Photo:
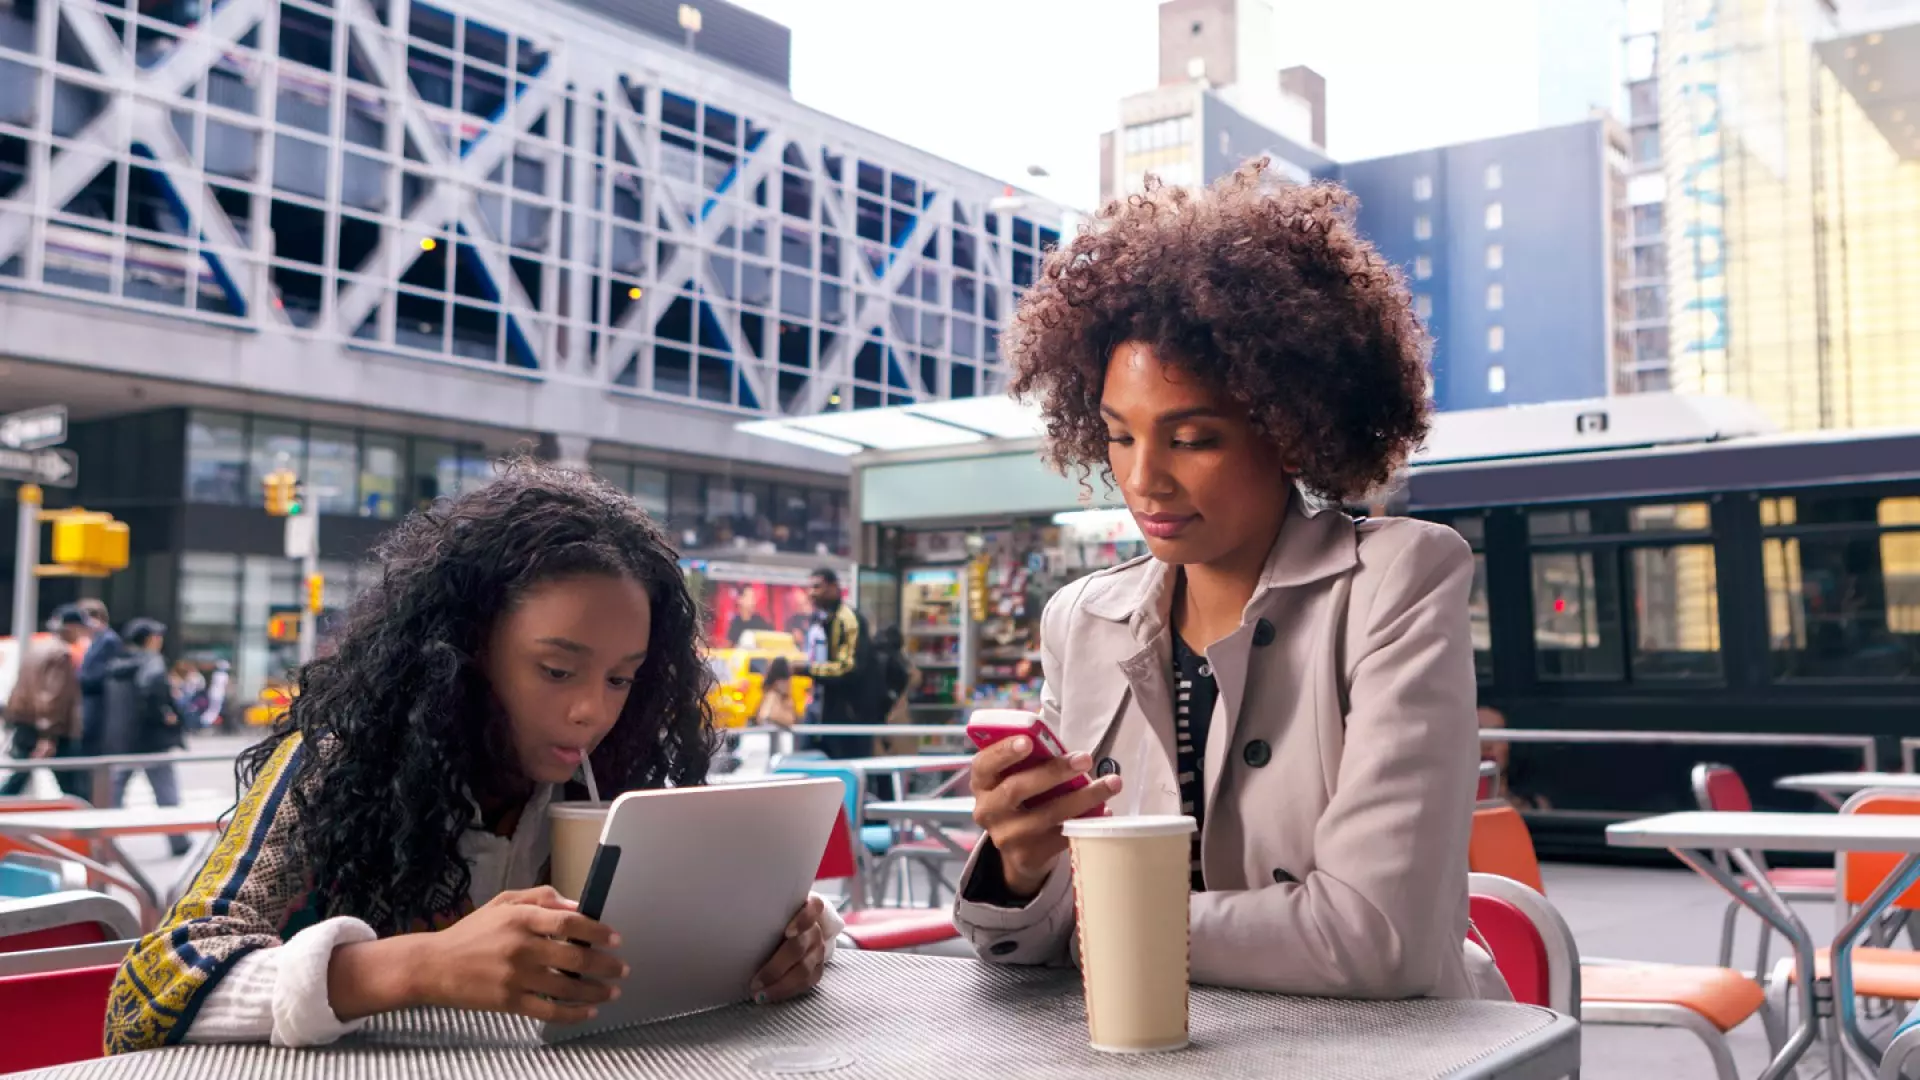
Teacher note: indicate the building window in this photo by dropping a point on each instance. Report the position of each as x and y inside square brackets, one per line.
[1422, 268]
[1423, 228]
[1496, 296]
[216, 458]
[1496, 339]
[1496, 256]
[333, 470]
[1495, 216]
[1422, 188]
[1494, 177]
[1423, 305]
[1496, 380]
[1842, 575]
[435, 472]
[1473, 528]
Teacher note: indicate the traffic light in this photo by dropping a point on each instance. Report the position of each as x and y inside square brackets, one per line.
[316, 593]
[283, 492]
[89, 542]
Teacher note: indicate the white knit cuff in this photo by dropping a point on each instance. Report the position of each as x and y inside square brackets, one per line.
[302, 1015]
[831, 923]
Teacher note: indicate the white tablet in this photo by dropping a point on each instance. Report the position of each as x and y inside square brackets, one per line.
[700, 883]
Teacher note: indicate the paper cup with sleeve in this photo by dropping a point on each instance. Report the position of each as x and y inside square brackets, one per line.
[575, 836]
[1131, 886]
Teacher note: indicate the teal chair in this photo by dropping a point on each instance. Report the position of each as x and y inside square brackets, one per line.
[23, 879]
[1902, 1060]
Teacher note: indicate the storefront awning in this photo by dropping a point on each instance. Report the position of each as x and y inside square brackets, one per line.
[963, 422]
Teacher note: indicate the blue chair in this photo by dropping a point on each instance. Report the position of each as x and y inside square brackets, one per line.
[1902, 1060]
[23, 880]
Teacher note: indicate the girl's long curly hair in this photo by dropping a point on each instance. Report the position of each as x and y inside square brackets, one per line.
[403, 734]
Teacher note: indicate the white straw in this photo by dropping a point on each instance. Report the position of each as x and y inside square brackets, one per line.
[586, 766]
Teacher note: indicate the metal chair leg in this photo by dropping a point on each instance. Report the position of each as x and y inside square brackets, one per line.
[1726, 933]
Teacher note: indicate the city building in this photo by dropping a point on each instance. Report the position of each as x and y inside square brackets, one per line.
[1791, 149]
[1511, 247]
[1221, 101]
[1646, 285]
[383, 242]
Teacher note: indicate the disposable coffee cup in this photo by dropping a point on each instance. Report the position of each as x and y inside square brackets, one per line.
[576, 835]
[1131, 883]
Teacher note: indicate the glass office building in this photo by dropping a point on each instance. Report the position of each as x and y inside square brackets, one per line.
[1791, 142]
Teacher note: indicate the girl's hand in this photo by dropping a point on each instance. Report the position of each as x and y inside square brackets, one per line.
[797, 964]
[513, 956]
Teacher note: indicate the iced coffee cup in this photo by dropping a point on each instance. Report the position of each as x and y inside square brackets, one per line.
[576, 835]
[1131, 882]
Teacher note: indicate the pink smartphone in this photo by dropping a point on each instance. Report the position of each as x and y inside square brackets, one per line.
[989, 726]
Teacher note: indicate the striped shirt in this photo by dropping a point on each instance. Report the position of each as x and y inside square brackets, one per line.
[1194, 694]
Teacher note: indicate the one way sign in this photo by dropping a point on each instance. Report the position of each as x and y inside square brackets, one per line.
[59, 468]
[31, 429]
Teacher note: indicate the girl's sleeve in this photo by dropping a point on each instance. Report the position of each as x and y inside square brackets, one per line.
[239, 906]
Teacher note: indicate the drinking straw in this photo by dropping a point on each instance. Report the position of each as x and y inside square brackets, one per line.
[586, 766]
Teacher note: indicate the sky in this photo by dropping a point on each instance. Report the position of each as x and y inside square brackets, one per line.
[1001, 85]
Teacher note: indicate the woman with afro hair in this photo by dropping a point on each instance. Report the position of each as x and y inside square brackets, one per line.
[1239, 363]
[391, 846]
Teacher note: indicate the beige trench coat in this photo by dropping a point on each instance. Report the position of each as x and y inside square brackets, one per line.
[1339, 768]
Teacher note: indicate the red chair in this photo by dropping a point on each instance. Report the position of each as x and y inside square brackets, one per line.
[1719, 788]
[879, 929]
[1707, 1001]
[1530, 942]
[56, 999]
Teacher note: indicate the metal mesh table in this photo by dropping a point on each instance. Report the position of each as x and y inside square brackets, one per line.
[895, 1017]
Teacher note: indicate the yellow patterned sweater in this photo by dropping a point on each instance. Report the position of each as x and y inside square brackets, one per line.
[252, 894]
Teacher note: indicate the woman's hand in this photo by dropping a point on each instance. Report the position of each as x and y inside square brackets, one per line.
[513, 954]
[796, 965]
[1029, 840]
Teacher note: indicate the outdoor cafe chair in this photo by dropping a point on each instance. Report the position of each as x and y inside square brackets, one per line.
[1530, 943]
[1719, 788]
[1706, 1001]
[75, 917]
[1902, 1060]
[1886, 973]
[878, 928]
[55, 1002]
[23, 875]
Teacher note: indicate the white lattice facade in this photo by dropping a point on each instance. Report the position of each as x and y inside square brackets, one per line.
[516, 189]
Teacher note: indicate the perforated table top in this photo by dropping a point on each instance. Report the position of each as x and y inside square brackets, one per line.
[895, 1017]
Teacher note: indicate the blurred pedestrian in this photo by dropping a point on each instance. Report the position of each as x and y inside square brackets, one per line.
[43, 711]
[840, 663]
[899, 677]
[189, 687]
[103, 650]
[141, 717]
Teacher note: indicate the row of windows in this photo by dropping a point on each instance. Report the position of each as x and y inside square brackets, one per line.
[703, 511]
[1159, 135]
[1632, 593]
[1494, 177]
[347, 471]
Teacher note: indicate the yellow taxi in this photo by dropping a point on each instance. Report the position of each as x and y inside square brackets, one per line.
[274, 701]
[738, 675]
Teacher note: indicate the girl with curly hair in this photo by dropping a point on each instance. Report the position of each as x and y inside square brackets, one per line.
[391, 848]
[1238, 362]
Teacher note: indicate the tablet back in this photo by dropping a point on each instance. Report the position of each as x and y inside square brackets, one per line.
[700, 883]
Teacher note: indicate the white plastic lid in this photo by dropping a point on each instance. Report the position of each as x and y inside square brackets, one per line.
[579, 809]
[1129, 827]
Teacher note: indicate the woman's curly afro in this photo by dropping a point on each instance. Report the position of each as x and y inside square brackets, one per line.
[402, 733]
[1260, 287]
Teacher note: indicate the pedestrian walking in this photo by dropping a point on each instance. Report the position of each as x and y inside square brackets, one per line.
[104, 648]
[43, 712]
[840, 662]
[141, 717]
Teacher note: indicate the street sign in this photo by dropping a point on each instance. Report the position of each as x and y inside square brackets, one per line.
[32, 429]
[303, 536]
[55, 467]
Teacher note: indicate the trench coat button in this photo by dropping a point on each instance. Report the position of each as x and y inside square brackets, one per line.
[1257, 753]
[1262, 633]
[1281, 877]
[1002, 948]
[1107, 767]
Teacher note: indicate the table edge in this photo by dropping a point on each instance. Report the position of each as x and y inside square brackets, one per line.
[1537, 1053]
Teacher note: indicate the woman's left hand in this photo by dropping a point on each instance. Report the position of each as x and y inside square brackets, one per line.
[796, 965]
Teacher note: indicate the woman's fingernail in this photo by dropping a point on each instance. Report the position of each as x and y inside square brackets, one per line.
[591, 1013]
[1113, 782]
[615, 995]
[613, 941]
[1082, 761]
[1020, 746]
[760, 998]
[792, 932]
[625, 970]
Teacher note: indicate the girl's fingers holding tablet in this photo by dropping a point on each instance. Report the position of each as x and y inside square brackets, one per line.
[794, 968]
[552, 1012]
[568, 957]
[569, 926]
[566, 990]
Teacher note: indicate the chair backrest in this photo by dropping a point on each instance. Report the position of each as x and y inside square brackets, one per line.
[1530, 942]
[58, 1015]
[66, 957]
[1862, 872]
[855, 793]
[25, 804]
[19, 880]
[1500, 844]
[838, 862]
[63, 919]
[1717, 787]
